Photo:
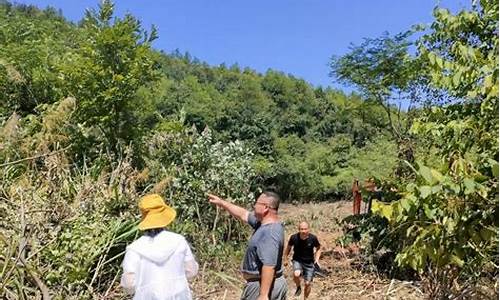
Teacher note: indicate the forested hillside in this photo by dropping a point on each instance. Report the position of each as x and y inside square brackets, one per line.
[305, 139]
[92, 117]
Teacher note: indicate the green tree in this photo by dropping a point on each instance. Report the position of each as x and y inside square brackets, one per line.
[448, 217]
[385, 72]
[33, 41]
[104, 73]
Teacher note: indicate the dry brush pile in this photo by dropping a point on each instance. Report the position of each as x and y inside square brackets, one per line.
[65, 225]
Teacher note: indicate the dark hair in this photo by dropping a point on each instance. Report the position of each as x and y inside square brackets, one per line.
[275, 199]
[153, 232]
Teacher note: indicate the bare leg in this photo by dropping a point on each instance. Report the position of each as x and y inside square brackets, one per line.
[307, 289]
[296, 278]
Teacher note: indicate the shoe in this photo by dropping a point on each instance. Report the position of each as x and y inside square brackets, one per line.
[297, 291]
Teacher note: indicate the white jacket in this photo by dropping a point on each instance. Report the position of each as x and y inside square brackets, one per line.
[157, 268]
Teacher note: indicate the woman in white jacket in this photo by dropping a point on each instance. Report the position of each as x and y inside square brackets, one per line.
[157, 265]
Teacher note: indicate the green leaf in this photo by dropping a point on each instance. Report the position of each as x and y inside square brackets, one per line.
[456, 78]
[405, 203]
[470, 186]
[488, 81]
[494, 167]
[425, 191]
[432, 57]
[426, 173]
[410, 230]
[429, 213]
[486, 234]
[450, 224]
[435, 189]
[456, 260]
[437, 175]
[382, 209]
[472, 94]
[410, 187]
[454, 187]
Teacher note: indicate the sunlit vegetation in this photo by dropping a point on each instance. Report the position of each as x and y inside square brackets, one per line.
[92, 117]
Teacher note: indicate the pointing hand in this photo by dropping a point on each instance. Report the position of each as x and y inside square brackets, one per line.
[214, 199]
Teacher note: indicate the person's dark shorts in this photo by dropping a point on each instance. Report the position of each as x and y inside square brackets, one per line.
[278, 290]
[306, 269]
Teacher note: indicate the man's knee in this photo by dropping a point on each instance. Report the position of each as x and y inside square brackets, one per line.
[307, 283]
[296, 273]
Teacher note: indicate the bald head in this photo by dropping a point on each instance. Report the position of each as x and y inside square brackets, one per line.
[303, 224]
[303, 230]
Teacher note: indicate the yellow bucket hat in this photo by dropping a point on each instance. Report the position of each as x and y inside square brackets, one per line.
[155, 213]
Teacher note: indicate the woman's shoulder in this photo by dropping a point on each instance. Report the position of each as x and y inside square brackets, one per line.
[164, 236]
[172, 236]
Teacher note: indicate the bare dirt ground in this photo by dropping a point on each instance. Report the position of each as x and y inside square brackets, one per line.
[343, 280]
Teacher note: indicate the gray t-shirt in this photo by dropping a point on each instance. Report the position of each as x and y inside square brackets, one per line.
[265, 247]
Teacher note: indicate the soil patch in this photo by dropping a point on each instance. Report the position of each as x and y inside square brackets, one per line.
[343, 281]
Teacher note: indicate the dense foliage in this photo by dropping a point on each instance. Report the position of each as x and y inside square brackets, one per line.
[92, 118]
[123, 89]
[304, 138]
[447, 217]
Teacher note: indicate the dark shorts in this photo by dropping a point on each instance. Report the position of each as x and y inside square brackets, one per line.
[306, 269]
[278, 290]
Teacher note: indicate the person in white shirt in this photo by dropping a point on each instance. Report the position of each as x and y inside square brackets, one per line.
[157, 266]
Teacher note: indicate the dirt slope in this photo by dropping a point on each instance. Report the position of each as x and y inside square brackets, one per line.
[342, 282]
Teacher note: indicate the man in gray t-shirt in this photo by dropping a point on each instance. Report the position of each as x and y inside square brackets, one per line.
[262, 265]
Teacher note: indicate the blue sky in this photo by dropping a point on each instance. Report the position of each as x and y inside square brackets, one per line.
[296, 36]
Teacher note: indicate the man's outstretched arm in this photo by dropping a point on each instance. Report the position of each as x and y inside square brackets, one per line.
[238, 212]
